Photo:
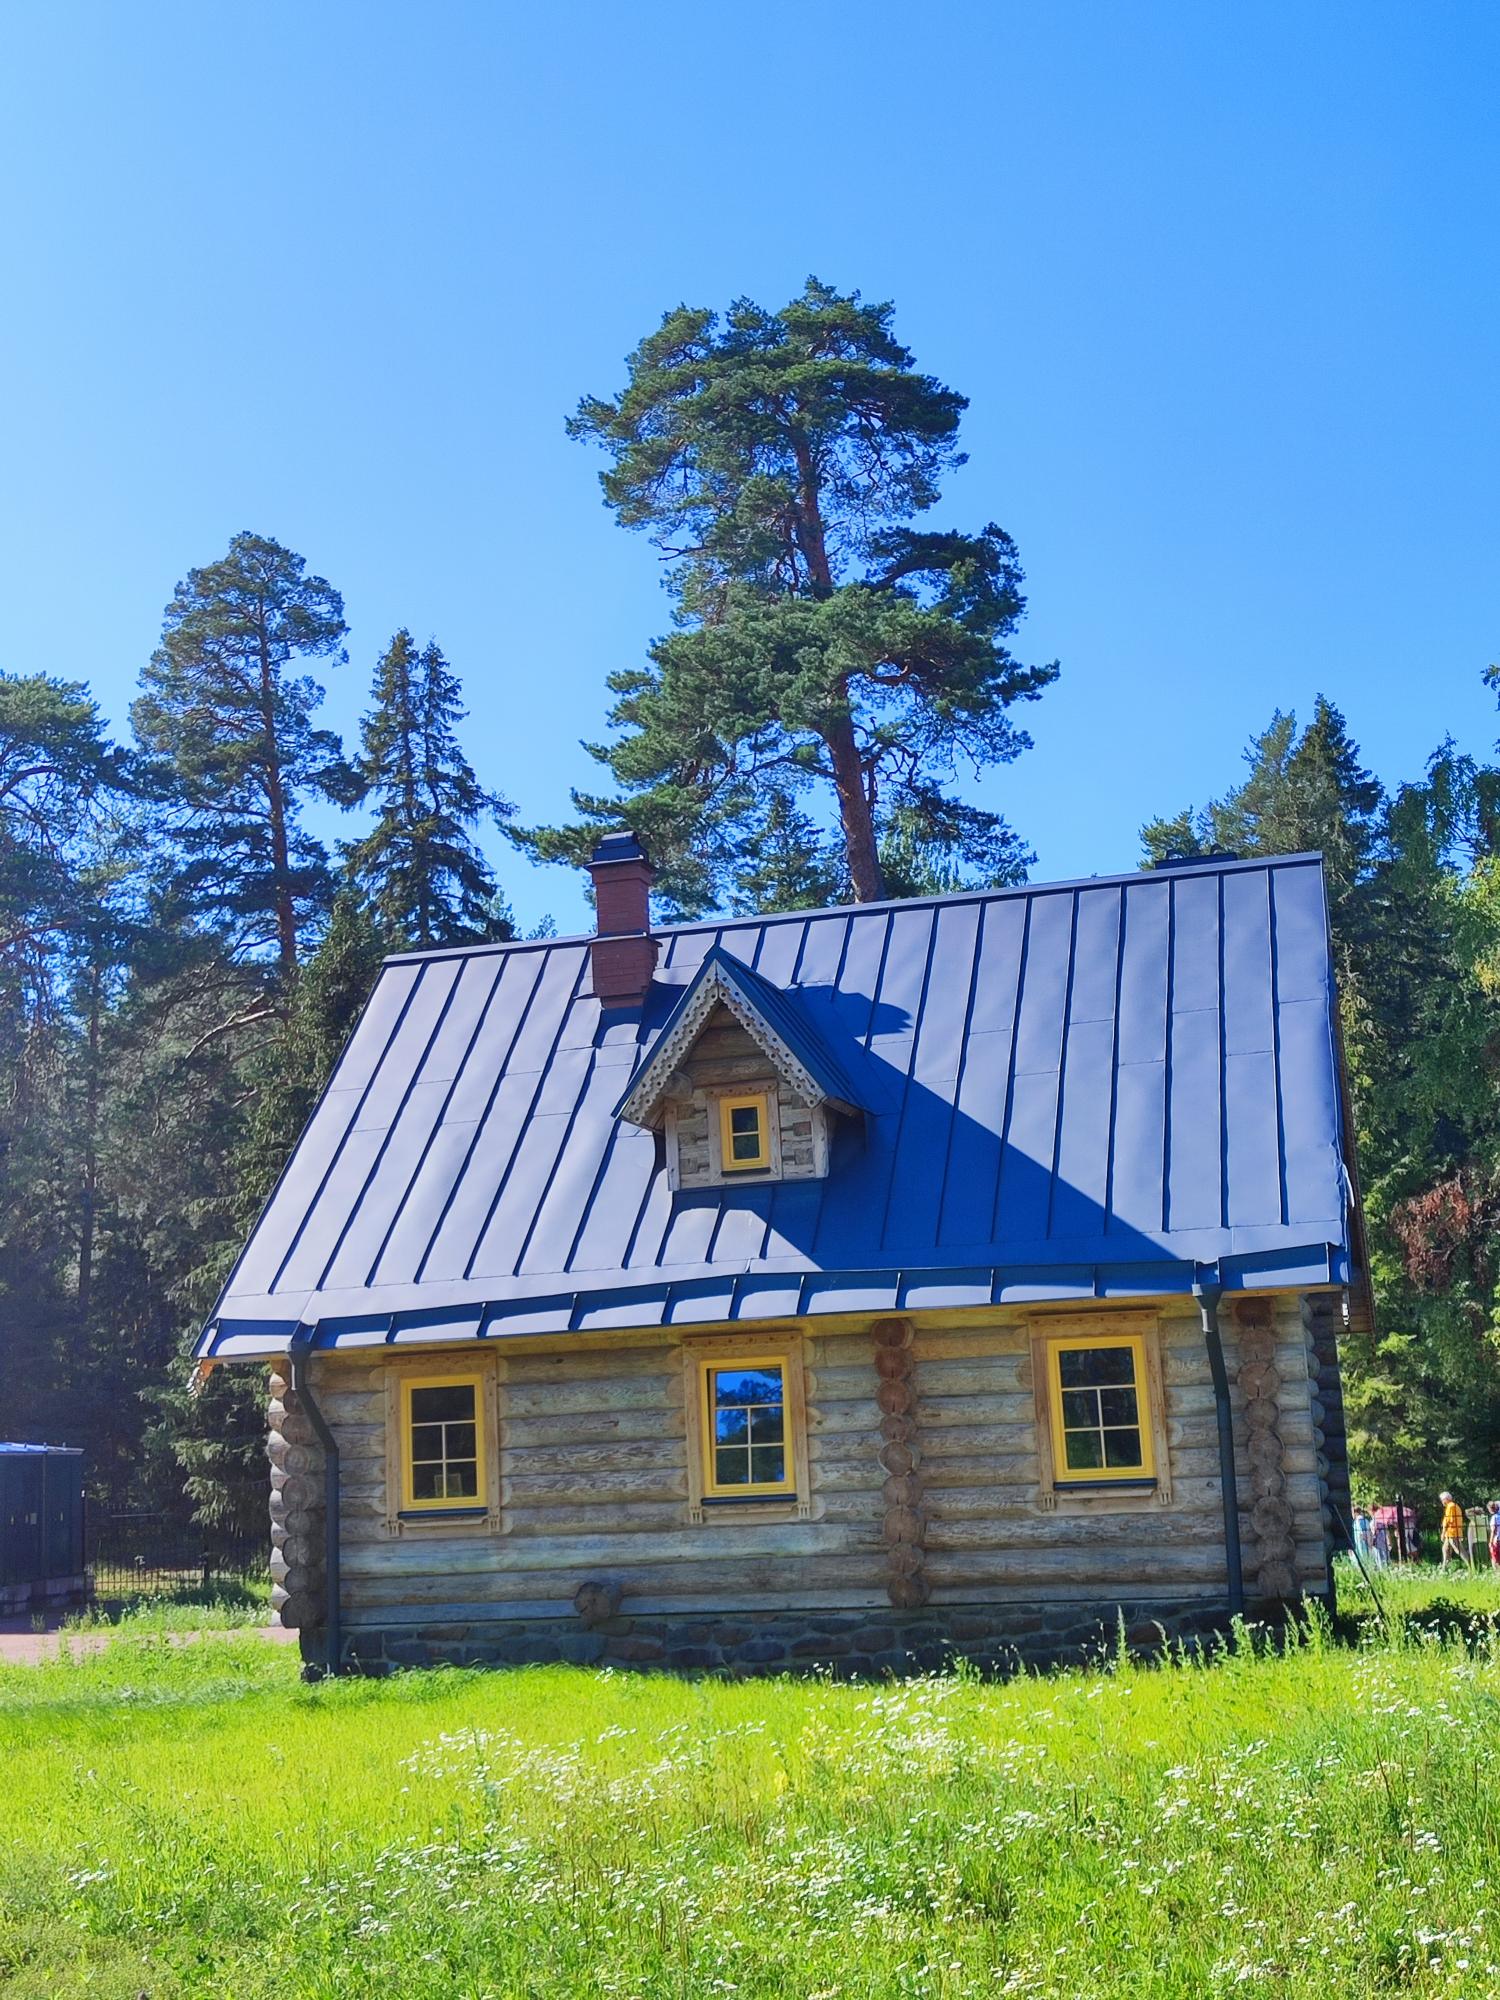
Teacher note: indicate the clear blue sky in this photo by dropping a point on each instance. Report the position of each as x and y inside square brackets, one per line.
[1222, 286]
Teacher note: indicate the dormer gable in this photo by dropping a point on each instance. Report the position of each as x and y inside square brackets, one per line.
[740, 1082]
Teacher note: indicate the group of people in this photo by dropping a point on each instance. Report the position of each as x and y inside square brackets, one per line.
[1389, 1534]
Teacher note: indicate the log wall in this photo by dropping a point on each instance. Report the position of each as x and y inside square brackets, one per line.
[934, 1504]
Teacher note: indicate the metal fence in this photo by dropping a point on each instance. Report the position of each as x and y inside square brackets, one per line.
[152, 1555]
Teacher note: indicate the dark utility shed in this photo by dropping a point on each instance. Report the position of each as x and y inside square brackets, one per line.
[849, 1285]
[41, 1526]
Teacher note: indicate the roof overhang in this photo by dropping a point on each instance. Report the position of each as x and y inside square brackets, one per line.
[705, 1296]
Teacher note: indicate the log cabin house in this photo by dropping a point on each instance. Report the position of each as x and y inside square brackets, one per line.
[851, 1289]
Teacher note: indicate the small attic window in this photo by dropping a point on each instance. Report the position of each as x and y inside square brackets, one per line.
[745, 1132]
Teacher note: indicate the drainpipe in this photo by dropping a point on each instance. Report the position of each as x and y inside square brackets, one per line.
[1208, 1305]
[332, 1625]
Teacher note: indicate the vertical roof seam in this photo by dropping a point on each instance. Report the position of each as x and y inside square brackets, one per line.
[1114, 1064]
[337, 1153]
[536, 1090]
[911, 1071]
[958, 1079]
[1010, 1070]
[1223, 1025]
[1169, 1052]
[1062, 1059]
[428, 1143]
[1271, 933]
[482, 1120]
[381, 1150]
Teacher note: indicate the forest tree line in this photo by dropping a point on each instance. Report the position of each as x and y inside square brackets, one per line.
[181, 958]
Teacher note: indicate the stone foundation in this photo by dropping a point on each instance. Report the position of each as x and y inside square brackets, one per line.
[851, 1645]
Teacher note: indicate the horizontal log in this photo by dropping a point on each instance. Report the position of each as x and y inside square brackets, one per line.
[1105, 1538]
[591, 1426]
[600, 1485]
[618, 1364]
[978, 1440]
[787, 1541]
[1002, 1472]
[619, 1517]
[700, 1583]
[1096, 1565]
[971, 1344]
[655, 1391]
[968, 1412]
[655, 1604]
[988, 1375]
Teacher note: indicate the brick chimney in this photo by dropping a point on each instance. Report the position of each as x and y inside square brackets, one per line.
[623, 950]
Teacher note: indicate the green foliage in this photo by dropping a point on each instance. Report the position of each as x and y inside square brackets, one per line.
[159, 1046]
[187, 1820]
[230, 722]
[1414, 897]
[823, 644]
[425, 880]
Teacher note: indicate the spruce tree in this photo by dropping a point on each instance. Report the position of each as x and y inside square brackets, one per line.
[778, 461]
[421, 872]
[230, 721]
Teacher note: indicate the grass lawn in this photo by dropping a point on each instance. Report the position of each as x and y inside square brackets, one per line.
[193, 1820]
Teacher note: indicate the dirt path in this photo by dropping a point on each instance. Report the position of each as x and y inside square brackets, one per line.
[21, 1646]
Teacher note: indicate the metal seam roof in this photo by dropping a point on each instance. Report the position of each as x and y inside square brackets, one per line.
[1127, 1074]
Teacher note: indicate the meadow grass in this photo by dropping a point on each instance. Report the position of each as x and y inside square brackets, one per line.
[196, 1821]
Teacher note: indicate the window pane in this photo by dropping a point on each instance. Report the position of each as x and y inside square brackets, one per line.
[1084, 1454]
[766, 1425]
[455, 1404]
[745, 1145]
[745, 1118]
[731, 1426]
[463, 1482]
[1095, 1367]
[459, 1441]
[427, 1441]
[736, 1387]
[768, 1464]
[731, 1467]
[1122, 1447]
[1117, 1406]
[427, 1482]
[1080, 1409]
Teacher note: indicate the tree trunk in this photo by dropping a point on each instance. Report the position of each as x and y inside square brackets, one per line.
[855, 816]
[281, 859]
[89, 1194]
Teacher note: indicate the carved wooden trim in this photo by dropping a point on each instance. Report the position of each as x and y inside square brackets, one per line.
[717, 990]
[433, 1527]
[786, 1348]
[1054, 1496]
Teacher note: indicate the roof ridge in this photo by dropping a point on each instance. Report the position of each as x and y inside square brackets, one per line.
[1210, 865]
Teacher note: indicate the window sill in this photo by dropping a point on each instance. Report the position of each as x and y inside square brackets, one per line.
[754, 1507]
[1104, 1485]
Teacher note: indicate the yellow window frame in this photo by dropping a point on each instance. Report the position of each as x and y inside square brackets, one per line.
[784, 1488]
[759, 1100]
[478, 1503]
[1062, 1473]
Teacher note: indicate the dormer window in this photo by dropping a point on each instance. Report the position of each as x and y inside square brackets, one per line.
[745, 1133]
[740, 1082]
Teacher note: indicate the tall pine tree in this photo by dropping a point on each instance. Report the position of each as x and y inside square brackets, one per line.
[778, 461]
[231, 720]
[424, 878]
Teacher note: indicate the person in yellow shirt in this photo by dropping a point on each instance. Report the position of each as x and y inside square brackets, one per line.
[1452, 1530]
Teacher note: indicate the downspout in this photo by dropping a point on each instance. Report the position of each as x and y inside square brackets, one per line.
[302, 1389]
[1208, 1305]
